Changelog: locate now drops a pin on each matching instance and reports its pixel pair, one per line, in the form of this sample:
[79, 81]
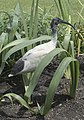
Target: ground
[63, 108]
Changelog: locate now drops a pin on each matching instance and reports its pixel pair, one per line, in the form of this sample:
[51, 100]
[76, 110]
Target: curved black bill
[62, 21]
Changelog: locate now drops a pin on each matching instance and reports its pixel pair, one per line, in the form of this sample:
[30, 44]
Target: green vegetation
[74, 6]
[21, 31]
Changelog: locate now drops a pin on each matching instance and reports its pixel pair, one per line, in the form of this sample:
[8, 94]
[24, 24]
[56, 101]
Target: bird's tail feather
[17, 68]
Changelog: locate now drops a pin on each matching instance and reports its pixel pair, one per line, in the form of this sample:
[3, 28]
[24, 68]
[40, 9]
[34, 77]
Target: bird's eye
[55, 23]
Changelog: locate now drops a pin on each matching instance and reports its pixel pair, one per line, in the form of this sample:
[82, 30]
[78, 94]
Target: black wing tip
[17, 68]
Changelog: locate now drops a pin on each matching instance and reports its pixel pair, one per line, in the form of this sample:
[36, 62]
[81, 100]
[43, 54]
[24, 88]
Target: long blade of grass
[23, 19]
[65, 6]
[72, 49]
[79, 46]
[80, 15]
[14, 23]
[55, 82]
[61, 8]
[36, 21]
[66, 41]
[20, 100]
[13, 43]
[39, 70]
[25, 44]
[31, 20]
[81, 3]
[2, 67]
[77, 74]
[4, 39]
[17, 97]
[19, 37]
[58, 7]
[74, 67]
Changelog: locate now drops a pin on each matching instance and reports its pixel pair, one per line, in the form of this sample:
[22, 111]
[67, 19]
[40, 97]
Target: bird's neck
[54, 38]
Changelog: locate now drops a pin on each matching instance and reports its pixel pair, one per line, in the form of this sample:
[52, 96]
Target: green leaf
[45, 61]
[74, 78]
[58, 7]
[24, 44]
[55, 82]
[20, 100]
[17, 97]
[63, 8]
[36, 20]
[66, 41]
[79, 46]
[2, 67]
[3, 42]
[3, 39]
[23, 19]
[72, 49]
[13, 43]
[14, 23]
[31, 19]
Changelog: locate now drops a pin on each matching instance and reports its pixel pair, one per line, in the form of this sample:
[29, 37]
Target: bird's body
[33, 57]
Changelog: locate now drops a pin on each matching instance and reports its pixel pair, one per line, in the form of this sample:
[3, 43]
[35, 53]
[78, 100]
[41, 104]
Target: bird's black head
[56, 21]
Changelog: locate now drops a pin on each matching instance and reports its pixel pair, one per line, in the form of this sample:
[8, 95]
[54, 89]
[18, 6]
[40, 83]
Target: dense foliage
[20, 31]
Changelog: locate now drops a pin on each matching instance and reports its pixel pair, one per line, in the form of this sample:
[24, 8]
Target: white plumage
[33, 57]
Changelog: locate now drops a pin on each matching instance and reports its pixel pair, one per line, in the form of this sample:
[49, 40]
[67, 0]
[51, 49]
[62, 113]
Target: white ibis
[33, 57]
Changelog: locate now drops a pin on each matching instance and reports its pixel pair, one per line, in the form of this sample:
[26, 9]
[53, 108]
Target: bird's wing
[40, 50]
[36, 55]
